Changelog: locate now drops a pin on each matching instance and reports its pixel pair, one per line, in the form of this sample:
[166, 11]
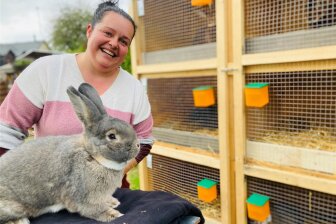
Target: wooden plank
[136, 42]
[178, 66]
[305, 38]
[292, 67]
[181, 153]
[190, 139]
[181, 74]
[310, 159]
[223, 112]
[229, 106]
[189, 53]
[143, 176]
[307, 54]
[237, 20]
[293, 178]
[135, 52]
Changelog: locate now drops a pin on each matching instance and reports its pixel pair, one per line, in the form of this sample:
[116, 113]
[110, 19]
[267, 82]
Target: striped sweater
[38, 98]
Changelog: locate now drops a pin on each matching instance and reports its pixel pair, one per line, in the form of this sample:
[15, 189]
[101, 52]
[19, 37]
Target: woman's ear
[89, 30]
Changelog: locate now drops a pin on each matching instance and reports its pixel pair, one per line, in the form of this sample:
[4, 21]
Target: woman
[38, 97]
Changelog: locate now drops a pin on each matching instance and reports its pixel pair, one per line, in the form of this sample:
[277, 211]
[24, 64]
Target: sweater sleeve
[17, 115]
[143, 124]
[144, 151]
[22, 107]
[143, 120]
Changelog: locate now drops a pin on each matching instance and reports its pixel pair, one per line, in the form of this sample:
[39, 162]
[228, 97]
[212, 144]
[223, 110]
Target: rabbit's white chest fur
[52, 209]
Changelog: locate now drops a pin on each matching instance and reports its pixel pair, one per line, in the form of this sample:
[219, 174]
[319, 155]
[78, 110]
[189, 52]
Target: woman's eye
[111, 136]
[124, 42]
[108, 34]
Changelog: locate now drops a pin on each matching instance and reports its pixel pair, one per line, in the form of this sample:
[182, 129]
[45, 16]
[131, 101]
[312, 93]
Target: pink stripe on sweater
[127, 117]
[144, 128]
[59, 118]
[19, 112]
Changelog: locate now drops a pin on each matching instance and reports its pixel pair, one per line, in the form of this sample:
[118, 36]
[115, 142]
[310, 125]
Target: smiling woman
[108, 43]
[40, 89]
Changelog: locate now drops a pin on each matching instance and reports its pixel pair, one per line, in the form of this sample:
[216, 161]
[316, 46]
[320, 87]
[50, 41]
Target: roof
[33, 54]
[20, 48]
[37, 53]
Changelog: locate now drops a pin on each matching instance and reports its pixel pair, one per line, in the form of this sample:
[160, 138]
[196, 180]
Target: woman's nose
[114, 42]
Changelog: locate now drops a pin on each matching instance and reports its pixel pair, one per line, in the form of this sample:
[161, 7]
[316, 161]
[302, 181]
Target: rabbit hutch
[290, 141]
[243, 97]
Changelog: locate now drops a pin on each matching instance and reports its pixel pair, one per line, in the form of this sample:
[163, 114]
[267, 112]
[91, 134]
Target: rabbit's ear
[85, 109]
[93, 95]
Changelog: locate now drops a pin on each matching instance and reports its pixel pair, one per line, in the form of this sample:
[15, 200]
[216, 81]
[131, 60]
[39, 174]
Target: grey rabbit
[78, 173]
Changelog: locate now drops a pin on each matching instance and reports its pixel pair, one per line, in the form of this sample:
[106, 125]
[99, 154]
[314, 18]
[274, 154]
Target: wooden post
[136, 61]
[136, 46]
[223, 113]
[239, 113]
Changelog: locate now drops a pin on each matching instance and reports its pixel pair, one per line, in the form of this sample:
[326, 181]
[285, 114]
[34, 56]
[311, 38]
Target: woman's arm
[17, 115]
[144, 151]
[22, 107]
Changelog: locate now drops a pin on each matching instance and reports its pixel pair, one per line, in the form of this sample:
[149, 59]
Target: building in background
[12, 52]
[9, 52]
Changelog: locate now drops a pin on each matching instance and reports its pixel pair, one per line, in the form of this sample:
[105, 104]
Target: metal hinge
[226, 70]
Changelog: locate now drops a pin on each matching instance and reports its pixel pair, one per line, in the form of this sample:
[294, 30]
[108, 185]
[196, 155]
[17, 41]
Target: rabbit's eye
[111, 136]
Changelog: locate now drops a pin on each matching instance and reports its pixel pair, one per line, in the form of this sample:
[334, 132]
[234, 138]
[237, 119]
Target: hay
[209, 132]
[211, 210]
[319, 139]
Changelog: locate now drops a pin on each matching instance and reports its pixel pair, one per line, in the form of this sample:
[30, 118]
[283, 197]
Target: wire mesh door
[289, 24]
[177, 31]
[176, 118]
[181, 178]
[301, 112]
[294, 205]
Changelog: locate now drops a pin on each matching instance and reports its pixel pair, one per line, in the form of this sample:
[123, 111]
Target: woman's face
[108, 41]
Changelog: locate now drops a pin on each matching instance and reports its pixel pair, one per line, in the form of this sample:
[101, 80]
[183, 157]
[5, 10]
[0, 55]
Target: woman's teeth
[108, 52]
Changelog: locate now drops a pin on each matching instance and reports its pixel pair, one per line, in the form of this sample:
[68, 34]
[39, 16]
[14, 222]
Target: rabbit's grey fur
[53, 173]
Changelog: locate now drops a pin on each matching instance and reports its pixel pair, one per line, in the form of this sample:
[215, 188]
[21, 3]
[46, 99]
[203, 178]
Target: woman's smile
[108, 52]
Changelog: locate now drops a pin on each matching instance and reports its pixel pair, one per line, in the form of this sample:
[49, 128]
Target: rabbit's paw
[113, 203]
[114, 213]
[109, 215]
[19, 221]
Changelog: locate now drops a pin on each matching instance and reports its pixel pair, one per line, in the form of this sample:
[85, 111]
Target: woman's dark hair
[110, 6]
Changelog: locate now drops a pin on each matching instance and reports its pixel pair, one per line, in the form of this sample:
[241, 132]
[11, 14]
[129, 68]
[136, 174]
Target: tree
[127, 62]
[69, 32]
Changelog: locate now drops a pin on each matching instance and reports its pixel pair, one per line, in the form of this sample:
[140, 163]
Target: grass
[133, 178]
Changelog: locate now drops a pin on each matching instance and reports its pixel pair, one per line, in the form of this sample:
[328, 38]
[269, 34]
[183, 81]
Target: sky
[29, 20]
